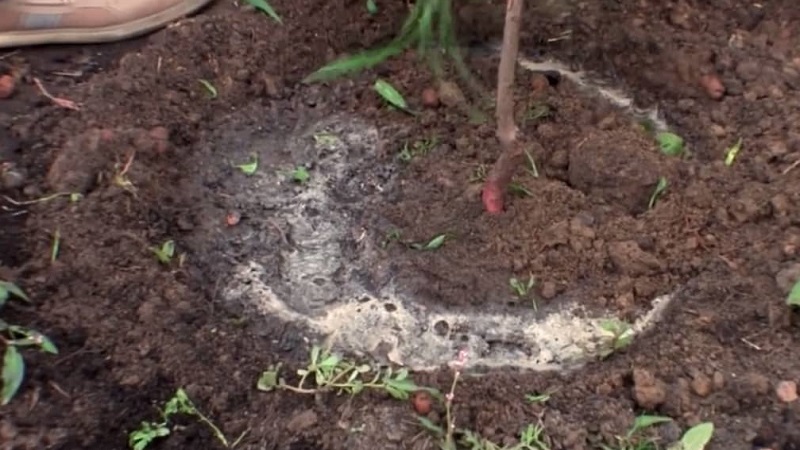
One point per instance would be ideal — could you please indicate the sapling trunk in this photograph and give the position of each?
(502, 172)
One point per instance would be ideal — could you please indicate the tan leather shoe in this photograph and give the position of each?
(35, 22)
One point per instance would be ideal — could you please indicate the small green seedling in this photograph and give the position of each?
(522, 289)
(180, 403)
(670, 143)
(325, 139)
(479, 174)
(391, 236)
(518, 189)
(14, 338)
(391, 95)
(372, 8)
(54, 249)
(533, 170)
(166, 252)
(794, 295)
(418, 148)
(536, 112)
(695, 438)
(538, 398)
(620, 335)
(531, 438)
(732, 152)
(249, 168)
(212, 91)
(300, 175)
(633, 439)
(433, 244)
(264, 6)
(661, 186)
(331, 372)
(7, 289)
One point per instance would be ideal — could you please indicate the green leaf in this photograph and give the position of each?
(301, 175)
(47, 345)
(315, 351)
(794, 295)
(661, 186)
(212, 91)
(265, 7)
(249, 168)
(391, 95)
(697, 437)
(430, 426)
(372, 8)
(330, 362)
(13, 373)
(7, 289)
(268, 379)
(646, 421)
(670, 143)
(732, 152)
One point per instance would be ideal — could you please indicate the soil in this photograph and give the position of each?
(130, 330)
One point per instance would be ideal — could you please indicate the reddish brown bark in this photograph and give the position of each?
(503, 170)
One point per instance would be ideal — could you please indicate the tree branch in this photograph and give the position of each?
(503, 170)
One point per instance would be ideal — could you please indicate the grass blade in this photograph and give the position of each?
(13, 373)
(266, 8)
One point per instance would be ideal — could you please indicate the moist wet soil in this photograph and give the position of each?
(130, 330)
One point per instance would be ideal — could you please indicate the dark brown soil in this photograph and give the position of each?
(131, 331)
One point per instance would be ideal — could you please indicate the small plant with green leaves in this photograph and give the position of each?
(415, 149)
(179, 404)
(532, 169)
(536, 112)
(619, 334)
(732, 152)
(332, 373)
(210, 89)
(300, 175)
(14, 338)
(372, 8)
(658, 191)
(266, 8)
(391, 95)
(522, 288)
(391, 236)
(695, 438)
(794, 295)
(433, 244)
(449, 437)
(249, 168)
(165, 252)
(670, 144)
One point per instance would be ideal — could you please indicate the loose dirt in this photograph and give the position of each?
(154, 157)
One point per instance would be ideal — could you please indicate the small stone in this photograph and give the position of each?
(302, 421)
(786, 391)
(701, 385)
(450, 94)
(549, 290)
(718, 131)
(787, 277)
(430, 98)
(648, 391)
(7, 86)
(748, 70)
(718, 381)
(713, 86)
(539, 83)
(631, 260)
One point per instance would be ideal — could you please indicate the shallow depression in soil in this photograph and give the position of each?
(321, 273)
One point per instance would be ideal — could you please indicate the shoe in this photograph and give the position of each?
(37, 22)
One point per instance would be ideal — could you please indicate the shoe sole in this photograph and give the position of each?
(112, 33)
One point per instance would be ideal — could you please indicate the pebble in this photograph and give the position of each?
(648, 391)
(786, 391)
(7, 86)
(549, 290)
(701, 385)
